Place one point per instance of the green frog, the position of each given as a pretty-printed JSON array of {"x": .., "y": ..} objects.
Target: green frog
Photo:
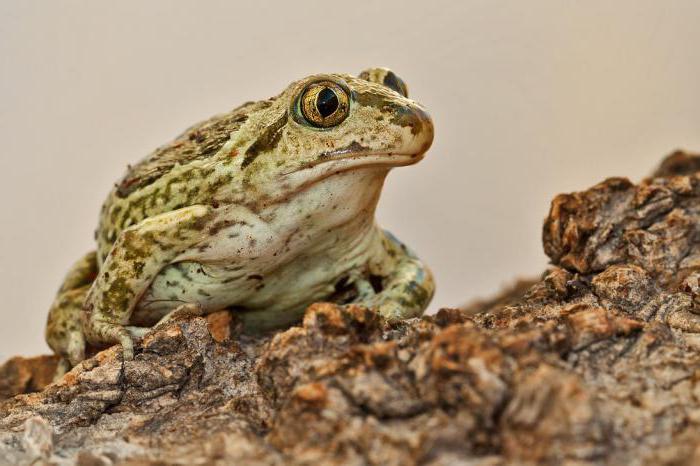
[{"x": 263, "y": 211}]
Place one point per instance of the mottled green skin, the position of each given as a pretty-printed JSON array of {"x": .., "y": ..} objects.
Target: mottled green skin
[{"x": 257, "y": 211}]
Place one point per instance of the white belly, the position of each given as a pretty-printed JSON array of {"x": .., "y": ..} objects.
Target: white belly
[
  {"x": 290, "y": 284},
  {"x": 279, "y": 260}
]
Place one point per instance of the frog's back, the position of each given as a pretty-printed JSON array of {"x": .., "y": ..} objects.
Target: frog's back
[
  {"x": 167, "y": 179},
  {"x": 197, "y": 142}
]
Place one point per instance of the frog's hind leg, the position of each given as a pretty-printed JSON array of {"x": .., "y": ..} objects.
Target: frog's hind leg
[{"x": 64, "y": 334}]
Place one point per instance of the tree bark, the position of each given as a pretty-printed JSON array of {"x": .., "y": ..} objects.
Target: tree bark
[{"x": 597, "y": 362}]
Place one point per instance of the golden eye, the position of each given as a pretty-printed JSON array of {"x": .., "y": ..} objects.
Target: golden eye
[{"x": 324, "y": 104}]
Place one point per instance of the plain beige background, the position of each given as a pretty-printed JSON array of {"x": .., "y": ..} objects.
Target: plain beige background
[{"x": 529, "y": 99}]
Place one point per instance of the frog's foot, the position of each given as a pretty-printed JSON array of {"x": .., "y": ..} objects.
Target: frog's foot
[
  {"x": 391, "y": 309},
  {"x": 76, "y": 348},
  {"x": 394, "y": 311},
  {"x": 363, "y": 288},
  {"x": 127, "y": 334},
  {"x": 402, "y": 294},
  {"x": 132, "y": 262},
  {"x": 74, "y": 354},
  {"x": 62, "y": 368},
  {"x": 104, "y": 332}
]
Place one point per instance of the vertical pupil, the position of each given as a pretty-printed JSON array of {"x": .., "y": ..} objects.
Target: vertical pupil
[{"x": 326, "y": 102}]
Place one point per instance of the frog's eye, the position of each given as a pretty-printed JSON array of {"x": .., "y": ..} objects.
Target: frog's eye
[{"x": 324, "y": 104}]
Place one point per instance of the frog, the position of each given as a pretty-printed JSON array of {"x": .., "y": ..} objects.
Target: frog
[{"x": 261, "y": 211}]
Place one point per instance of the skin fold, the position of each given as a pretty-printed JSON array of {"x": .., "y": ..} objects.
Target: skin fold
[{"x": 262, "y": 210}]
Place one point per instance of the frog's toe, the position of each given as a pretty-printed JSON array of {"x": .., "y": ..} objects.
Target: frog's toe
[
  {"x": 101, "y": 332},
  {"x": 393, "y": 311},
  {"x": 137, "y": 332},
  {"x": 76, "y": 348},
  {"x": 127, "y": 347},
  {"x": 389, "y": 309},
  {"x": 62, "y": 368}
]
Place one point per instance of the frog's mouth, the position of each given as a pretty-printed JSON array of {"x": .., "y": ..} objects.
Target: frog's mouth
[
  {"x": 342, "y": 161},
  {"x": 407, "y": 150},
  {"x": 355, "y": 155}
]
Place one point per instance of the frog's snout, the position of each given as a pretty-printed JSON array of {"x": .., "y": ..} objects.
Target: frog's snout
[{"x": 421, "y": 128}]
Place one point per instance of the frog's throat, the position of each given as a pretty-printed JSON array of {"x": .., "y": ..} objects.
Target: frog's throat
[{"x": 301, "y": 178}]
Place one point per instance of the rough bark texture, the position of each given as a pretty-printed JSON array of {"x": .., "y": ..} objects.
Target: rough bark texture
[{"x": 598, "y": 362}]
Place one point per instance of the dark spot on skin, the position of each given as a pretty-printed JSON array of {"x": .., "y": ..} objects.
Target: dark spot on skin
[
  {"x": 137, "y": 268},
  {"x": 345, "y": 291},
  {"x": 218, "y": 226},
  {"x": 254, "y": 277},
  {"x": 352, "y": 148},
  {"x": 395, "y": 83},
  {"x": 180, "y": 268},
  {"x": 289, "y": 238},
  {"x": 376, "y": 282},
  {"x": 400, "y": 115},
  {"x": 205, "y": 272},
  {"x": 404, "y": 116},
  {"x": 267, "y": 141}
]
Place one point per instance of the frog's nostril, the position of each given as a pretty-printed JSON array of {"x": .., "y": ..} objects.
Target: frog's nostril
[
  {"x": 414, "y": 118},
  {"x": 421, "y": 129}
]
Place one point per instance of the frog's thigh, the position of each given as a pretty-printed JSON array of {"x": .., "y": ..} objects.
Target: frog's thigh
[
  {"x": 81, "y": 273},
  {"x": 137, "y": 256},
  {"x": 63, "y": 332},
  {"x": 408, "y": 289}
]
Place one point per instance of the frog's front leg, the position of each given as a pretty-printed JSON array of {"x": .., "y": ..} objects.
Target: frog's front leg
[
  {"x": 408, "y": 287},
  {"x": 137, "y": 256}
]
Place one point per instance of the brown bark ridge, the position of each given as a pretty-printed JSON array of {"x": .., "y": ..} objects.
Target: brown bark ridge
[{"x": 598, "y": 362}]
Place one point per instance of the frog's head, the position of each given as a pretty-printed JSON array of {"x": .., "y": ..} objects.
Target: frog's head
[{"x": 332, "y": 123}]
